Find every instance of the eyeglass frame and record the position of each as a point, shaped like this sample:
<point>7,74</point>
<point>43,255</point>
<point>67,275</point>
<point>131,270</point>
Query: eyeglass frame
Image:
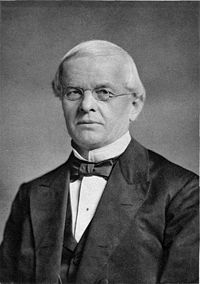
<point>111,94</point>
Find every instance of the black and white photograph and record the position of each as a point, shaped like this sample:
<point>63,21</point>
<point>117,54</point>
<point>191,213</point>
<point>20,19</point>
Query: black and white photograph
<point>99,142</point>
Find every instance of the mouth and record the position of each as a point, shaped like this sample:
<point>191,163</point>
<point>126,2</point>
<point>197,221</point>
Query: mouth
<point>82,122</point>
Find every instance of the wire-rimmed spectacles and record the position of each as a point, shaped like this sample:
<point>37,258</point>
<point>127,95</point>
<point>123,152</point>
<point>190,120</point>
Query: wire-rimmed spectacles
<point>100,94</point>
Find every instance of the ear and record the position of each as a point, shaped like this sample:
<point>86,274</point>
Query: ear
<point>137,106</point>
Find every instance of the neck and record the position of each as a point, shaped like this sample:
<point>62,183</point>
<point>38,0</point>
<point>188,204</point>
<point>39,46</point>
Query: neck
<point>83,152</point>
<point>108,151</point>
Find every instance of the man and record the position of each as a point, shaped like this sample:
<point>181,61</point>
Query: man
<point>115,212</point>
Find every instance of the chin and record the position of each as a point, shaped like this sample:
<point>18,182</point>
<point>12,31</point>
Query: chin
<point>89,143</point>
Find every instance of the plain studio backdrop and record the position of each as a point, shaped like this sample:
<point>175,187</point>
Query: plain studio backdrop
<point>162,37</point>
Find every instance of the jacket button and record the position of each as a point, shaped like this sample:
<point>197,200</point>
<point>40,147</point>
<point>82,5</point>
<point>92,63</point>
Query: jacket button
<point>104,281</point>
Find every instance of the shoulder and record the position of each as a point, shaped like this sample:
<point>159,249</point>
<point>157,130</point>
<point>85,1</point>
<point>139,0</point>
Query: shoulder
<point>45,179</point>
<point>139,164</point>
<point>167,169</point>
<point>170,176</point>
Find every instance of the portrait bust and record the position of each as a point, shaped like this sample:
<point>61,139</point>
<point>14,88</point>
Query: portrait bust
<point>116,210</point>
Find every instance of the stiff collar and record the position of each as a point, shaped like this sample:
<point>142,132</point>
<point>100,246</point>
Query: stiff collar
<point>107,152</point>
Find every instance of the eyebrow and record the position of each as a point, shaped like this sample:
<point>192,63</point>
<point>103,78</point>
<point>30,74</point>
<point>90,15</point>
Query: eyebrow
<point>98,86</point>
<point>104,85</point>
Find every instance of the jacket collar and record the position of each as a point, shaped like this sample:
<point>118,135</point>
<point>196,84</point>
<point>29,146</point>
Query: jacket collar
<point>48,202</point>
<point>134,163</point>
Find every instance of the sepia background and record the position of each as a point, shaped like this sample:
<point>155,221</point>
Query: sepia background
<point>162,37</point>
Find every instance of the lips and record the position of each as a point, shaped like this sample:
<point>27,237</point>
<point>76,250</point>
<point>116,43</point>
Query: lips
<point>87,122</point>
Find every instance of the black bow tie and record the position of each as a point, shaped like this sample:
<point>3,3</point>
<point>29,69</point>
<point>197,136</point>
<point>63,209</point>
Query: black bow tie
<point>80,169</point>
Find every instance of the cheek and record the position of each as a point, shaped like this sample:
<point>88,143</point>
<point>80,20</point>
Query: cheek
<point>119,114</point>
<point>69,113</point>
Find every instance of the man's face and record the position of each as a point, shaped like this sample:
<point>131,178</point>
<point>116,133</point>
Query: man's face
<point>91,123</point>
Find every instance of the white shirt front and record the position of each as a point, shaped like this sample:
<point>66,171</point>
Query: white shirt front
<point>85,194</point>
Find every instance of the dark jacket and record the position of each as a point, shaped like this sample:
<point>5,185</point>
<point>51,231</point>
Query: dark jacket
<point>145,229</point>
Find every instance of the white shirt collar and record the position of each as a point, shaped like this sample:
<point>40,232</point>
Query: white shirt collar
<point>107,152</point>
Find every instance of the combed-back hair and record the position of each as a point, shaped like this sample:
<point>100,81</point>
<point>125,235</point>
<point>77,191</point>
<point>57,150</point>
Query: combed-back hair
<point>101,48</point>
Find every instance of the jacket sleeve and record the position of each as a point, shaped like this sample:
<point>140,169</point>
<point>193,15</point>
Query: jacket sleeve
<point>181,236</point>
<point>10,247</point>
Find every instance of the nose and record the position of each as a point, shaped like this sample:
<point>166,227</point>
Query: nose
<point>88,103</point>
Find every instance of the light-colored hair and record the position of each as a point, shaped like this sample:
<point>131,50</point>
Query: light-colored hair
<point>102,48</point>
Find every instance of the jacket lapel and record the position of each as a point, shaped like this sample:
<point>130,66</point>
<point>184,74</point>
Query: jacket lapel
<point>122,197</point>
<point>48,209</point>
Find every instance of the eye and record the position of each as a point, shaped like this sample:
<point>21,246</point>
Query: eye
<point>73,93</point>
<point>103,94</point>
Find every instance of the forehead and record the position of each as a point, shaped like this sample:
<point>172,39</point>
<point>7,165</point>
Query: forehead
<point>95,70</point>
